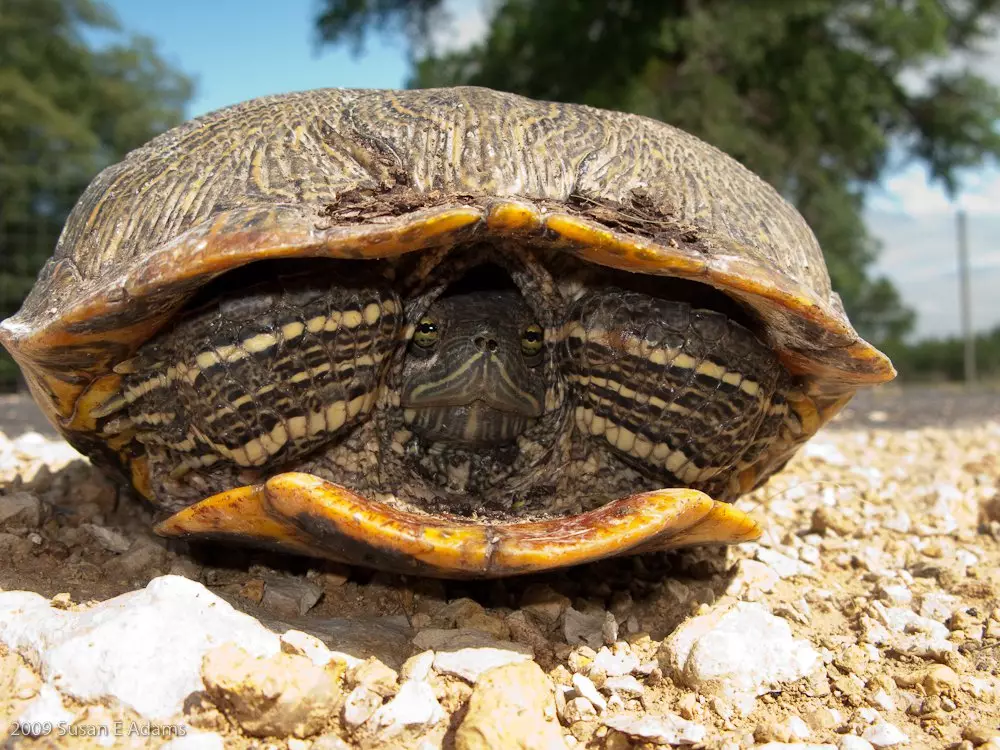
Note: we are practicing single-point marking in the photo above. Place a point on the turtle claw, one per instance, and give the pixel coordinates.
(302, 513)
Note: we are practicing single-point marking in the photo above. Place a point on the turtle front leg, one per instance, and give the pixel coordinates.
(688, 396)
(254, 379)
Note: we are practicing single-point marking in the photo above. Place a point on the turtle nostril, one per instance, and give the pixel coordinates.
(485, 344)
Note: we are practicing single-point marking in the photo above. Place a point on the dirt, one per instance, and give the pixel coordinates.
(894, 506)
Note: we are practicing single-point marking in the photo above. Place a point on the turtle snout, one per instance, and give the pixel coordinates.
(474, 384)
(486, 343)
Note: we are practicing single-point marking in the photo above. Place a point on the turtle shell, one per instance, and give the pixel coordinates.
(369, 174)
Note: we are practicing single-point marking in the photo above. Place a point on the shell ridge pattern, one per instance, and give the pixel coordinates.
(479, 141)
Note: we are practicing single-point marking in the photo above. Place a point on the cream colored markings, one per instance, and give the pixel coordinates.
(332, 417)
(259, 450)
(658, 356)
(550, 114)
(620, 436)
(193, 462)
(260, 171)
(456, 375)
(505, 376)
(131, 188)
(399, 440)
(337, 157)
(371, 313)
(656, 401)
(675, 461)
(124, 180)
(261, 447)
(783, 444)
(306, 142)
(315, 372)
(253, 345)
(471, 429)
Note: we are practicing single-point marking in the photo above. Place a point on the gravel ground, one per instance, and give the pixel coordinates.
(867, 616)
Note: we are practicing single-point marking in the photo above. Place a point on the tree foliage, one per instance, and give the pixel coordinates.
(943, 359)
(67, 109)
(819, 97)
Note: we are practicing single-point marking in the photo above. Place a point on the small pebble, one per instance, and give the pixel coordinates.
(109, 539)
(586, 689)
(752, 579)
(883, 700)
(471, 663)
(579, 709)
(142, 556)
(418, 666)
(797, 728)
(511, 706)
(895, 594)
(20, 510)
(46, 708)
(666, 729)
(290, 597)
(625, 684)
(414, 705)
(783, 565)
(940, 680)
(579, 627)
(281, 695)
(327, 742)
(375, 676)
(615, 664)
(304, 644)
(359, 706)
(884, 734)
(980, 734)
(544, 602)
(738, 651)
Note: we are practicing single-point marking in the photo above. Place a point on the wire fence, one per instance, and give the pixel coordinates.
(30, 224)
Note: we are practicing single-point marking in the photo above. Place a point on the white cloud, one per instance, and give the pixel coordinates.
(920, 256)
(910, 192)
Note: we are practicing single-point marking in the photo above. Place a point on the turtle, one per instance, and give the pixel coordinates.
(449, 332)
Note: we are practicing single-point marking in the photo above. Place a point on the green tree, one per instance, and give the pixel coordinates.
(816, 96)
(941, 359)
(67, 109)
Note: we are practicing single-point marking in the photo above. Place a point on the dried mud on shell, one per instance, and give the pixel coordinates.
(878, 579)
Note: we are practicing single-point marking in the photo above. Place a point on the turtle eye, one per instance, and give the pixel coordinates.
(426, 334)
(531, 340)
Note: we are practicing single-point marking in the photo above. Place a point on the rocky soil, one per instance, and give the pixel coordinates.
(867, 616)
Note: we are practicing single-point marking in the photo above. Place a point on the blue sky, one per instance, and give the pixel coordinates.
(236, 50)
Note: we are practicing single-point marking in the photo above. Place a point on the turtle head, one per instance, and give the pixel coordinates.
(473, 371)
